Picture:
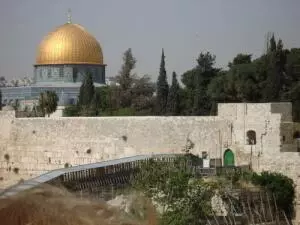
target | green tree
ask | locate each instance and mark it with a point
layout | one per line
(240, 59)
(274, 85)
(87, 91)
(86, 104)
(223, 88)
(48, 102)
(71, 111)
(291, 86)
(282, 187)
(173, 105)
(246, 84)
(196, 82)
(126, 78)
(142, 96)
(184, 200)
(272, 44)
(162, 87)
(187, 79)
(103, 98)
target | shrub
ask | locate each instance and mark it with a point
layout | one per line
(6, 157)
(71, 111)
(279, 185)
(16, 170)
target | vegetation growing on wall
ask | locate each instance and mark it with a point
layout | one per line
(6, 157)
(279, 186)
(186, 199)
(16, 170)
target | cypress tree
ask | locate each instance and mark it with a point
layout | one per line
(126, 78)
(87, 91)
(173, 97)
(272, 44)
(48, 102)
(162, 87)
(275, 69)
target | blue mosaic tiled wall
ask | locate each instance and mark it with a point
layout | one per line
(68, 73)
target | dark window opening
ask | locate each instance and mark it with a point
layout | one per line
(296, 135)
(61, 72)
(49, 73)
(75, 74)
(251, 137)
(204, 155)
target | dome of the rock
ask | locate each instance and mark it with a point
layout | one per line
(69, 44)
(64, 58)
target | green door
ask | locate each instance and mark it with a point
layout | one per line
(228, 158)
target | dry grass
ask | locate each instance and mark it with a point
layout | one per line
(53, 206)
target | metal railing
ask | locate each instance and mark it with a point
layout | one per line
(80, 171)
(108, 173)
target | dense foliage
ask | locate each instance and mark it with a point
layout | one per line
(184, 198)
(48, 102)
(274, 76)
(162, 88)
(279, 186)
(173, 101)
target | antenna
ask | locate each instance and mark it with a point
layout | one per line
(69, 16)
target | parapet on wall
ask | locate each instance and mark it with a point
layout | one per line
(37, 145)
(235, 111)
(262, 119)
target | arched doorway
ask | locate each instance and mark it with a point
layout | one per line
(228, 158)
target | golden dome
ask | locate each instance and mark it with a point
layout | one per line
(69, 44)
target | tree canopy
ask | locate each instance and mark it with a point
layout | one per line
(271, 77)
(48, 102)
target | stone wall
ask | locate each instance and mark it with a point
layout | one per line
(32, 146)
(37, 145)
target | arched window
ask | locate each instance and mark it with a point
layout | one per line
(251, 137)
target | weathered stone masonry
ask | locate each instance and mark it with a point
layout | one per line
(32, 146)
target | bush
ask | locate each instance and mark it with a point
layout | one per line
(71, 110)
(184, 200)
(282, 187)
(124, 112)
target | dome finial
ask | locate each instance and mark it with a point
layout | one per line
(69, 16)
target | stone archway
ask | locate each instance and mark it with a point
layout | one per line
(228, 158)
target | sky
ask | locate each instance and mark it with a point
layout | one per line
(183, 28)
